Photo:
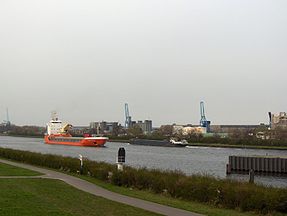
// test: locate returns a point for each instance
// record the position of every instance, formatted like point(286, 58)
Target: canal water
point(190, 160)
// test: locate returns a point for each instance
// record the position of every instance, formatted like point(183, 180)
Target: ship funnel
point(270, 119)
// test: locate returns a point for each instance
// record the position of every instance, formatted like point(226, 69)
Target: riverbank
point(139, 194)
point(203, 189)
point(218, 145)
point(164, 199)
point(23, 193)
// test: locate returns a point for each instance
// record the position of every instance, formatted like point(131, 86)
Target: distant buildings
point(5, 126)
point(111, 128)
point(96, 128)
point(79, 130)
point(279, 120)
point(104, 127)
point(231, 128)
point(188, 129)
point(146, 126)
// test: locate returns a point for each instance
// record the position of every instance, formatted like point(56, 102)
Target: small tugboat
point(58, 134)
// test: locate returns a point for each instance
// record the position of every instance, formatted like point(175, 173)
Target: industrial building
point(278, 120)
point(104, 127)
point(146, 126)
point(79, 130)
point(231, 128)
point(188, 129)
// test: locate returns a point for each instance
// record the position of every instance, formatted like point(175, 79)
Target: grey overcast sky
point(85, 59)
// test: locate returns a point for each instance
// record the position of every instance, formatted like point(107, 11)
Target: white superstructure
point(55, 125)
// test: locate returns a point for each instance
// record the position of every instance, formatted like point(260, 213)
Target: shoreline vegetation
point(219, 145)
point(204, 189)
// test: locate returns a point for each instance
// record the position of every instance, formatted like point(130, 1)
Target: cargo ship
point(58, 134)
point(163, 143)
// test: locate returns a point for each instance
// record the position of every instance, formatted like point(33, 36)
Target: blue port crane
point(203, 121)
point(127, 116)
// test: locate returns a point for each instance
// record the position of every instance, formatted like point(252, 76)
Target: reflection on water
point(279, 180)
point(190, 160)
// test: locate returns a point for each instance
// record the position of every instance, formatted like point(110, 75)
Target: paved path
point(98, 191)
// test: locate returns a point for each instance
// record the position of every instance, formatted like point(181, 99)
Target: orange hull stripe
point(81, 142)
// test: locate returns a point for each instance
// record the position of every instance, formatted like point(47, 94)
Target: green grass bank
point(48, 197)
point(8, 170)
point(203, 189)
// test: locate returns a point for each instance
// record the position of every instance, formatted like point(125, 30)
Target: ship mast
point(54, 116)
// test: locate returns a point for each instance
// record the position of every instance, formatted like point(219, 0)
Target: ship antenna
point(54, 116)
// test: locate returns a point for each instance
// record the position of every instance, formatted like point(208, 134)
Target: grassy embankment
point(8, 170)
point(37, 197)
point(173, 202)
point(52, 197)
point(204, 189)
point(22, 193)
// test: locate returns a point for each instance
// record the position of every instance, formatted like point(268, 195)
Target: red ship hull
point(75, 141)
